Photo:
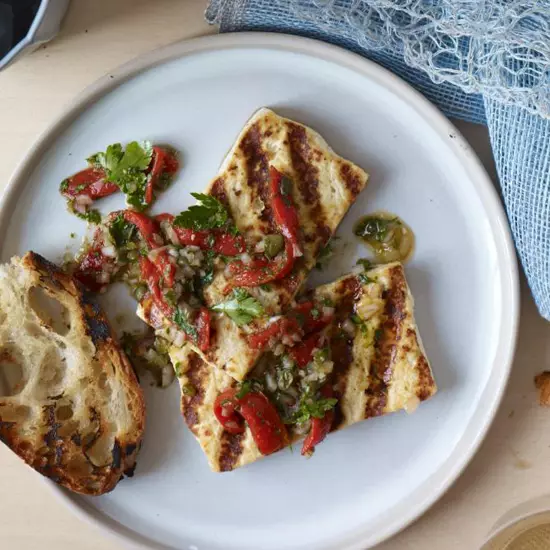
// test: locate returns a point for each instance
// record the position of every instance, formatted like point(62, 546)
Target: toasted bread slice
point(70, 403)
point(380, 368)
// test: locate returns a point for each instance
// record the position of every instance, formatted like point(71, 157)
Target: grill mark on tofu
point(354, 184)
point(386, 345)
point(198, 373)
point(426, 383)
point(301, 156)
point(231, 449)
point(218, 191)
point(257, 174)
point(341, 343)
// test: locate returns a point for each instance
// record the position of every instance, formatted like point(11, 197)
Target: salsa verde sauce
point(387, 235)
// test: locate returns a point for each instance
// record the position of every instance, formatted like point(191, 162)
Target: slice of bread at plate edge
point(70, 403)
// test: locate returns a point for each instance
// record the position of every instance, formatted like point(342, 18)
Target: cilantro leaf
point(181, 319)
point(242, 308)
point(209, 213)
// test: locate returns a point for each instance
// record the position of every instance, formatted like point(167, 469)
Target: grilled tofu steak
point(286, 192)
point(358, 355)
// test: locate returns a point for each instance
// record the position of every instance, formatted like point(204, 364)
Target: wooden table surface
point(99, 35)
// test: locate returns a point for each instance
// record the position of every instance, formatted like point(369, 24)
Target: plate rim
point(487, 192)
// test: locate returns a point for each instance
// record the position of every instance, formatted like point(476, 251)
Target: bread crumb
point(542, 382)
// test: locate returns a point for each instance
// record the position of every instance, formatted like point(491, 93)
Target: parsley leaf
point(209, 213)
point(121, 231)
point(126, 169)
point(242, 308)
point(182, 320)
point(311, 408)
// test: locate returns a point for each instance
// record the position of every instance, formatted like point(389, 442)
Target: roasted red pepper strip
point(274, 331)
point(150, 231)
point(284, 210)
point(225, 410)
point(218, 241)
point(267, 428)
point(90, 183)
point(302, 352)
point(151, 275)
point(202, 324)
point(261, 271)
point(161, 163)
point(310, 317)
point(320, 427)
point(300, 320)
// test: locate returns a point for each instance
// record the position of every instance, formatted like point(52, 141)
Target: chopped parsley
point(325, 254)
point(364, 278)
point(373, 228)
point(247, 386)
point(126, 168)
point(121, 231)
point(364, 263)
point(91, 216)
point(242, 308)
point(266, 287)
point(73, 235)
point(182, 321)
point(311, 408)
point(209, 213)
point(244, 388)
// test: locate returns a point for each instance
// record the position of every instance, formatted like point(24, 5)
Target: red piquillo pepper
point(320, 427)
point(216, 240)
point(284, 209)
point(162, 162)
point(266, 426)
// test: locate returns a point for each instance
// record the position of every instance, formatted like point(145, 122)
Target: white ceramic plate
point(369, 481)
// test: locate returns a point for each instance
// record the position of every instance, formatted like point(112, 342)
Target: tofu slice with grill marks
point(380, 369)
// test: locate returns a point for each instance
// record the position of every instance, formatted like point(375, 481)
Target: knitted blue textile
point(485, 61)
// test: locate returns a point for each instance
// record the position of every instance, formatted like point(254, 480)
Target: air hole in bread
point(52, 372)
point(68, 429)
point(12, 380)
point(105, 385)
point(64, 412)
point(51, 312)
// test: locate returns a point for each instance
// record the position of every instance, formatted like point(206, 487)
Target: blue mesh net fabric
point(485, 61)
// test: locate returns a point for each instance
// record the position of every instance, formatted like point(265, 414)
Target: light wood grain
point(99, 35)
